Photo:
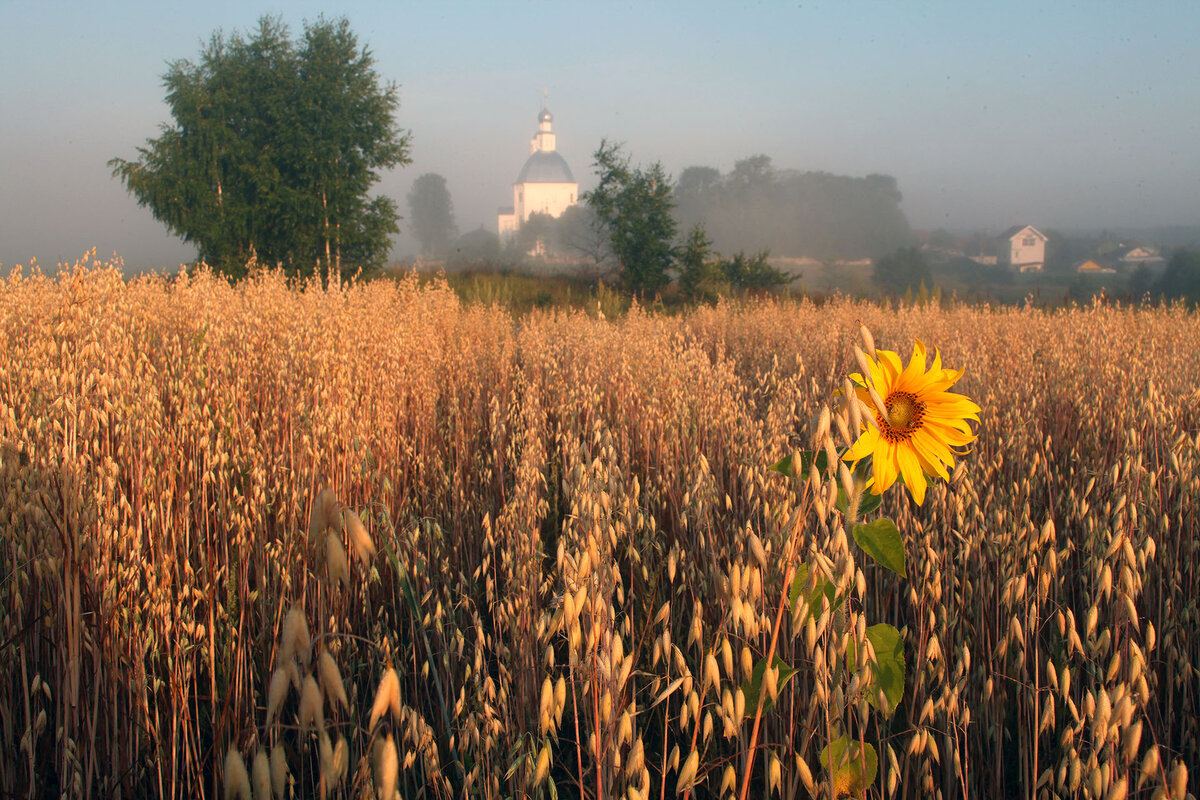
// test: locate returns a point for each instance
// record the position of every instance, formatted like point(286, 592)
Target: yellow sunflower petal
point(935, 457)
point(910, 468)
point(890, 368)
point(884, 465)
point(863, 446)
point(915, 370)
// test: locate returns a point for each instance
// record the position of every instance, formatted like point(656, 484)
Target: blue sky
point(1063, 115)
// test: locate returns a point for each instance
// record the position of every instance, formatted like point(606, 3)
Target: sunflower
point(924, 425)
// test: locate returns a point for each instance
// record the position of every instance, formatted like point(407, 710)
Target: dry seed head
point(806, 777)
point(774, 774)
point(262, 776)
point(276, 694)
point(1150, 765)
point(727, 780)
point(543, 765)
point(756, 549)
point(325, 751)
point(331, 680)
point(387, 696)
point(687, 773)
point(1179, 777)
point(1133, 738)
point(324, 515)
point(387, 768)
point(546, 704)
point(360, 540)
point(279, 772)
point(293, 673)
point(237, 780)
point(311, 714)
point(296, 641)
point(341, 761)
point(560, 698)
point(867, 339)
point(336, 562)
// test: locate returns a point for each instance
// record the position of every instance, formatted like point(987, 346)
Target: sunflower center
point(905, 412)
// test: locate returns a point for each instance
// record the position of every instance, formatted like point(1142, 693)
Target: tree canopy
point(634, 206)
point(1181, 278)
point(793, 213)
point(432, 214)
point(273, 150)
point(903, 269)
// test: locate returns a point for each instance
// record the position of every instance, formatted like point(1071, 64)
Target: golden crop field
point(272, 540)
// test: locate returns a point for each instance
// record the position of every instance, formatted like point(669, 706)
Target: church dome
point(545, 116)
point(545, 167)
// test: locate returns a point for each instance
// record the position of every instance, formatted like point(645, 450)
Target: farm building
point(1022, 247)
point(1090, 267)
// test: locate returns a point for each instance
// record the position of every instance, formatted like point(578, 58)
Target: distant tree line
point(1181, 278)
point(793, 213)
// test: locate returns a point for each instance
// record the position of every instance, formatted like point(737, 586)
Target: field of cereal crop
point(573, 553)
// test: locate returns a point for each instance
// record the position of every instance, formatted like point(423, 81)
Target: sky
point(1064, 115)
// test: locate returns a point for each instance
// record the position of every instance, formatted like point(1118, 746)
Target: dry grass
point(578, 547)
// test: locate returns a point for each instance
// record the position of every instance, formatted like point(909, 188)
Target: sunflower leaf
point(813, 597)
point(882, 541)
point(753, 686)
point(798, 463)
point(851, 765)
point(887, 671)
point(868, 502)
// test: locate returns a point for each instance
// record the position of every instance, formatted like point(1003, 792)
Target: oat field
point(273, 540)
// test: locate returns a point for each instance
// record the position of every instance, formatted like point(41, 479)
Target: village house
point(1090, 267)
point(1138, 254)
point(1023, 248)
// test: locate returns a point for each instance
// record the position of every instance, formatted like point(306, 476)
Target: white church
point(545, 184)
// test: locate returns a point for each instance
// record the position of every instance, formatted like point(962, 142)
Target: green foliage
point(903, 270)
point(851, 766)
point(273, 150)
point(1181, 279)
point(477, 249)
point(882, 541)
point(432, 214)
point(753, 686)
point(812, 592)
point(752, 272)
point(634, 206)
point(701, 279)
point(887, 670)
point(793, 213)
point(1141, 282)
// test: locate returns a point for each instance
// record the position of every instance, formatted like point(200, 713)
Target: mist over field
point(1072, 119)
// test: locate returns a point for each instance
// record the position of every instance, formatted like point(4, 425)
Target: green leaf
point(887, 673)
point(851, 765)
point(798, 463)
point(752, 687)
point(868, 502)
point(784, 466)
point(882, 542)
point(822, 587)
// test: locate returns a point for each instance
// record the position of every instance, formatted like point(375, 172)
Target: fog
point(1071, 118)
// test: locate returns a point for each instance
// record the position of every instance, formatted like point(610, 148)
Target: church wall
point(546, 198)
